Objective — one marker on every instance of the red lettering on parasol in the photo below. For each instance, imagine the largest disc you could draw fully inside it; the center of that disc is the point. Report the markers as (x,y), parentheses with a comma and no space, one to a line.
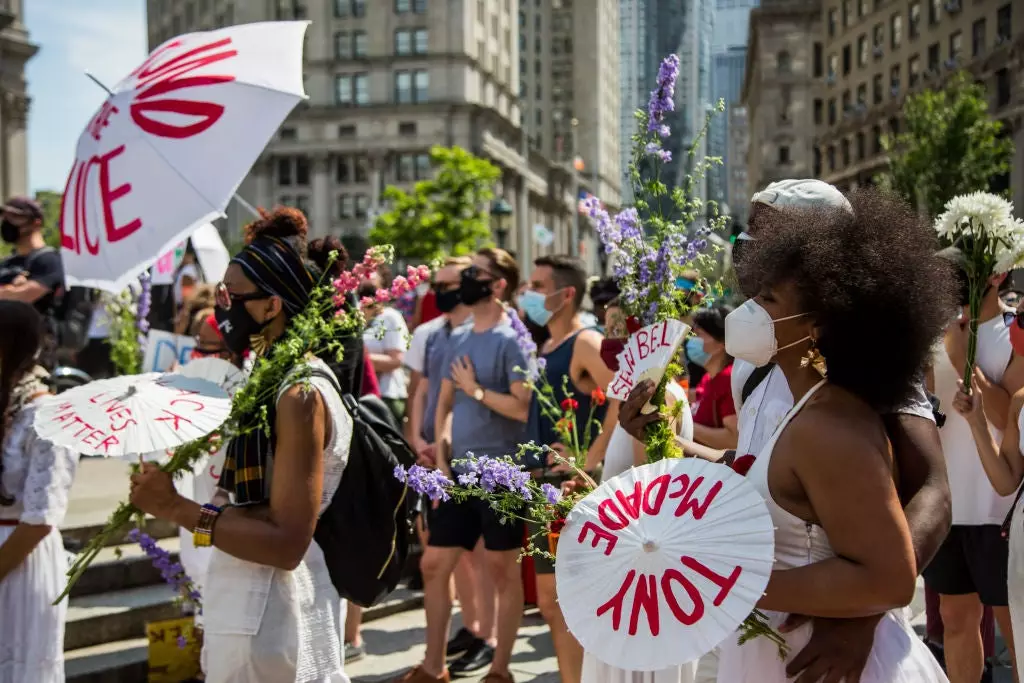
(689,501)
(163,73)
(174,418)
(76,202)
(87,433)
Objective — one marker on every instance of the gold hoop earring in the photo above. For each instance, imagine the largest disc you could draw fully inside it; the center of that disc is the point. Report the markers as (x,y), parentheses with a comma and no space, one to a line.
(814,359)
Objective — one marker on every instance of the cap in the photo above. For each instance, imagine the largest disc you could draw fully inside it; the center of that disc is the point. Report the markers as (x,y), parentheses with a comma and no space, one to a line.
(23,206)
(802,194)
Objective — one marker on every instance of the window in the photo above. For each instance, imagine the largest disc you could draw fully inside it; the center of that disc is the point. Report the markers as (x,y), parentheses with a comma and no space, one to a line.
(362,168)
(847,60)
(863,9)
(831,158)
(405,167)
(876,140)
(878,37)
(1002,87)
(894,126)
(362,205)
(862,94)
(407,128)
(847,12)
(978,37)
(403,42)
(819,111)
(421,85)
(914,71)
(286,200)
(346,206)
(877,89)
(832,111)
(346,131)
(1004,23)
(832,19)
(342,45)
(359,44)
(289,134)
(933,57)
(844,148)
(402,6)
(896,30)
(784,62)
(343,170)
(956,45)
(915,20)
(419,6)
(894,80)
(284,171)
(861,150)
(819,59)
(847,102)
(833,66)
(817,162)
(358,8)
(302,204)
(783,155)
(302,170)
(862,51)
(403,87)
(343,90)
(422,166)
(934,11)
(419,41)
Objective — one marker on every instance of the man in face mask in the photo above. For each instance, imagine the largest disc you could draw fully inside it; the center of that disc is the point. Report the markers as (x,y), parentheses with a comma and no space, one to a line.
(762,397)
(34,274)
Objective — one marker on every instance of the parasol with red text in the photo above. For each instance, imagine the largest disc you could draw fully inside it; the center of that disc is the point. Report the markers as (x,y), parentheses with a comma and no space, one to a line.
(133,414)
(658,566)
(169,147)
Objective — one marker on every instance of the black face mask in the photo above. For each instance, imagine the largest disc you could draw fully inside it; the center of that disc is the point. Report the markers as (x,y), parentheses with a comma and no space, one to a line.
(447,301)
(473,291)
(9,232)
(236,326)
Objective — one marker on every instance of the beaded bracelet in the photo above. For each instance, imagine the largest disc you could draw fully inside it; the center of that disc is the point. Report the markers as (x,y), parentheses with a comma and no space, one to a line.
(202,533)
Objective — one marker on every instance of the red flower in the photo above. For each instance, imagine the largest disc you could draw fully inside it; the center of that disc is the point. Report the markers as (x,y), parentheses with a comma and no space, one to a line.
(563,426)
(610,350)
(598,397)
(742,464)
(556,525)
(570,404)
(633,324)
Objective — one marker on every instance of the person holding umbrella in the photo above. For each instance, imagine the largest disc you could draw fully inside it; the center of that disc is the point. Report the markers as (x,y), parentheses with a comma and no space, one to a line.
(270,610)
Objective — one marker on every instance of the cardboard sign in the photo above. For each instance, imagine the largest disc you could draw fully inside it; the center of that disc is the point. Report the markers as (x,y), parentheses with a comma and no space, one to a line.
(168,661)
(164,350)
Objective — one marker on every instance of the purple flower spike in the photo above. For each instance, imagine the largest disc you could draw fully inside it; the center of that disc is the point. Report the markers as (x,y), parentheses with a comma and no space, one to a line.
(552,494)
(662,97)
(430,483)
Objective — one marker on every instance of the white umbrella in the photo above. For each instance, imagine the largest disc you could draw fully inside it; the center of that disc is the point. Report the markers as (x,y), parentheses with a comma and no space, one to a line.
(170,146)
(216,370)
(659,565)
(133,414)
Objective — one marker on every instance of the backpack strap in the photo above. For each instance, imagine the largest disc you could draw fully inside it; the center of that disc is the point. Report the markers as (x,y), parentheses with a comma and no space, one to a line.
(324,374)
(756,377)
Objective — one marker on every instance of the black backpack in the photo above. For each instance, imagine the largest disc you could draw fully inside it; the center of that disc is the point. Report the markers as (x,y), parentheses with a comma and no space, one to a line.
(755,378)
(364,532)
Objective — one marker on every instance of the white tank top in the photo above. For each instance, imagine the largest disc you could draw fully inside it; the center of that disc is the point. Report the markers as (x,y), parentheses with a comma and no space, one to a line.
(975,502)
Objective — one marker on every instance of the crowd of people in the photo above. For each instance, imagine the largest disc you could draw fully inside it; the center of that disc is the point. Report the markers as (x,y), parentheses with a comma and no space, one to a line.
(825,385)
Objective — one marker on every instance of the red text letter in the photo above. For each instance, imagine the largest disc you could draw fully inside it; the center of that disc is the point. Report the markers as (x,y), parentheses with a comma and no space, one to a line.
(599,534)
(689,500)
(109,196)
(724,583)
(688,619)
(615,604)
(645,598)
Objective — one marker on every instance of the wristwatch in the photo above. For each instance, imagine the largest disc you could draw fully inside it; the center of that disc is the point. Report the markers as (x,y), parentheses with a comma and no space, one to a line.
(478,394)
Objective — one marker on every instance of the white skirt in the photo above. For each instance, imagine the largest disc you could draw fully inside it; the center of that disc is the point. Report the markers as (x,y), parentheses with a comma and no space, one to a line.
(1015,582)
(31,628)
(898,655)
(596,671)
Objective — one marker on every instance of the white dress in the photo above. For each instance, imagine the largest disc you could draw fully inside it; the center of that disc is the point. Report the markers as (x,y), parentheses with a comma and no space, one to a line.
(1016,562)
(38,475)
(898,655)
(619,458)
(267,625)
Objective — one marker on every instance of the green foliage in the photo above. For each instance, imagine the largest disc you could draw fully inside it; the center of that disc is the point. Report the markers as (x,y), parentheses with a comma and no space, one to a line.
(51,203)
(446,215)
(949,146)
(125,349)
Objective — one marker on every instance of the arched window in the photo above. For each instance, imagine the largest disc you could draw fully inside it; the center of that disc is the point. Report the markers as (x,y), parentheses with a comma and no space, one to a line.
(784,62)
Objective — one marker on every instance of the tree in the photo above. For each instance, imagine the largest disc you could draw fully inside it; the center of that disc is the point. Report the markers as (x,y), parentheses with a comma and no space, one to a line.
(446,215)
(949,146)
(51,203)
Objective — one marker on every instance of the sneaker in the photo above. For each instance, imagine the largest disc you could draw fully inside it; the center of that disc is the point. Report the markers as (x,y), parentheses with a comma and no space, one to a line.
(462,641)
(353,653)
(477,658)
(418,675)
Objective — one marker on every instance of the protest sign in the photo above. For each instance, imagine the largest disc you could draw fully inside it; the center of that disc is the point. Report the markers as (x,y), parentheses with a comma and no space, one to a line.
(165,350)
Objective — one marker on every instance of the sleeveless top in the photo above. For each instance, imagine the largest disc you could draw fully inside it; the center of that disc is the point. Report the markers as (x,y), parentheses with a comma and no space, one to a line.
(539,428)
(975,502)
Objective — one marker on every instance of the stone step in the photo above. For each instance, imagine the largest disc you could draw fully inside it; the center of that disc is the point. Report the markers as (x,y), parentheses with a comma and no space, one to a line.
(124,660)
(77,537)
(117,615)
(132,569)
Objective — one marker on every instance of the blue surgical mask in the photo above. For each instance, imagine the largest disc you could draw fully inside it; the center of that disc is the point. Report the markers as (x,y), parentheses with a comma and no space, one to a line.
(532,304)
(695,351)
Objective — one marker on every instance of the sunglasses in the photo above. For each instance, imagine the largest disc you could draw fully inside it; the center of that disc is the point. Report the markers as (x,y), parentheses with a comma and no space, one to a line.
(225,299)
(475,272)
(1010,316)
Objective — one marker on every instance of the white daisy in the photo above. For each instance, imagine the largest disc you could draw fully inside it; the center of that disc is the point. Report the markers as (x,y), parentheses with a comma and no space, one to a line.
(975,214)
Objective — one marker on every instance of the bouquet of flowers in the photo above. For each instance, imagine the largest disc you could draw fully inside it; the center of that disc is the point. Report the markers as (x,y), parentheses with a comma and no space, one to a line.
(129,325)
(318,330)
(991,241)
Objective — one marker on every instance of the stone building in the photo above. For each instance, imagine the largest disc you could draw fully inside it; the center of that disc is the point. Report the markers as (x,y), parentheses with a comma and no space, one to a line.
(386,81)
(15,51)
(777,90)
(872,54)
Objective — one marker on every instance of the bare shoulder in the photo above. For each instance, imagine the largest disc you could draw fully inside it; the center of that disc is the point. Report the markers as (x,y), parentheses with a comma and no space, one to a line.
(835,429)
(589,338)
(299,402)
(1016,403)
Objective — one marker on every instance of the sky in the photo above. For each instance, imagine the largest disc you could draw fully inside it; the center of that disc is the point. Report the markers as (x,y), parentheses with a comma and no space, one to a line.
(107,38)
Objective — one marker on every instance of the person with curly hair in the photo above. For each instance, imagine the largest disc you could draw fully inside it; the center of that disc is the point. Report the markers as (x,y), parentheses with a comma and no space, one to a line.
(270,610)
(827,279)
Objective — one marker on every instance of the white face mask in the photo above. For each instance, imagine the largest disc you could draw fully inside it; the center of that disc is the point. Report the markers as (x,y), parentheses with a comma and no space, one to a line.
(750,334)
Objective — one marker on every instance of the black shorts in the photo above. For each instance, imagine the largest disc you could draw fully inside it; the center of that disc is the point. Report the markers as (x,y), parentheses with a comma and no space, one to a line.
(972,559)
(460,525)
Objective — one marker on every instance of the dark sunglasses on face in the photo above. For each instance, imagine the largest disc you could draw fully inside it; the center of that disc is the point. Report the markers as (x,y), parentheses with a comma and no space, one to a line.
(1010,316)
(475,272)
(224,298)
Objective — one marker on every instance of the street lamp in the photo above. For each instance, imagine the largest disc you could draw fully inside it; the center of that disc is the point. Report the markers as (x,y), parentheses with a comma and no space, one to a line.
(500,212)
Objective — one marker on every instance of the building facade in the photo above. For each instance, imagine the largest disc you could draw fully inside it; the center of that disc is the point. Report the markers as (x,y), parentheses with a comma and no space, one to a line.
(15,51)
(736,164)
(634,80)
(872,54)
(386,81)
(778,88)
